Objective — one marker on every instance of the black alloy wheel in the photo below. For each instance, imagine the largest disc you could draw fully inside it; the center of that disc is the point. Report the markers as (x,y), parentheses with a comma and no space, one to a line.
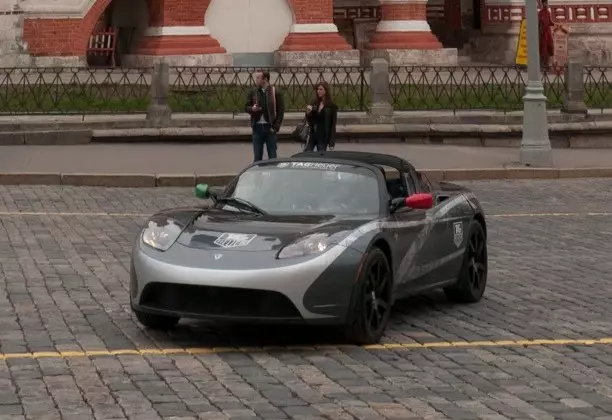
(377,305)
(477,257)
(371,306)
(472,280)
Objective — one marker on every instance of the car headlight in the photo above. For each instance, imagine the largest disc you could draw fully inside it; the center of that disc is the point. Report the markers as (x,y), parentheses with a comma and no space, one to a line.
(161,233)
(311,244)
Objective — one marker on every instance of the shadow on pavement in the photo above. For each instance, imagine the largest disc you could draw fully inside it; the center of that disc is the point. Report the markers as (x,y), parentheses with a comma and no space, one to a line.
(195,333)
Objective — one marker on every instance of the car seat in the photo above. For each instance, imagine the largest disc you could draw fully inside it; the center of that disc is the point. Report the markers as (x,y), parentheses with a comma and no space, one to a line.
(396,188)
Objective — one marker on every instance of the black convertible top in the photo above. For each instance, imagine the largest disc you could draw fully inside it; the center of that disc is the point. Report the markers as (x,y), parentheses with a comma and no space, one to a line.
(365,157)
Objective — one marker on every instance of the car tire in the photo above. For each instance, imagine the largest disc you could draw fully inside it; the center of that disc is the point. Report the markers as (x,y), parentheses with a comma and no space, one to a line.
(361,327)
(472,279)
(156,322)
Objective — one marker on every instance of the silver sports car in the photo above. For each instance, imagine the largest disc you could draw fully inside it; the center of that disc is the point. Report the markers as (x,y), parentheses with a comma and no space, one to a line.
(331,238)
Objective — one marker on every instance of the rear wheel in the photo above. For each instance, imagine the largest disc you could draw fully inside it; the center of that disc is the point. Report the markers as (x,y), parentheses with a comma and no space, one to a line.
(371,301)
(472,279)
(156,322)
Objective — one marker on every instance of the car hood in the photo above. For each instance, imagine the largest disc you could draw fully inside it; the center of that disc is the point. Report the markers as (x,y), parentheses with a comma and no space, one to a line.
(217,229)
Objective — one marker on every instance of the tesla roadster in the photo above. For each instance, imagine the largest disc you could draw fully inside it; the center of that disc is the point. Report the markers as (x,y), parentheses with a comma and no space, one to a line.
(326,238)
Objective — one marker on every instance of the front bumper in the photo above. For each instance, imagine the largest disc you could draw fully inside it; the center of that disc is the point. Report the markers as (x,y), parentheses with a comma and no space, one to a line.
(311,290)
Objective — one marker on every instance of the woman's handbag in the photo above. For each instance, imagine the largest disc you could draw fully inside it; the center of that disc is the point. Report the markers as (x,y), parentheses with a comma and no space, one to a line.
(301,132)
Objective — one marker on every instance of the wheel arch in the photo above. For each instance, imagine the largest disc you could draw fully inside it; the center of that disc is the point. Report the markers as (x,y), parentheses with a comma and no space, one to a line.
(479,217)
(383,245)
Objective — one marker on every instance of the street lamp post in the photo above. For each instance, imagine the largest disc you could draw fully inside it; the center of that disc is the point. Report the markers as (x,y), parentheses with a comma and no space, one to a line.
(535,145)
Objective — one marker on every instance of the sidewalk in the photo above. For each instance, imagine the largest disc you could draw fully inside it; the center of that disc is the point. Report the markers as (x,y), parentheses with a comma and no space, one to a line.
(228,158)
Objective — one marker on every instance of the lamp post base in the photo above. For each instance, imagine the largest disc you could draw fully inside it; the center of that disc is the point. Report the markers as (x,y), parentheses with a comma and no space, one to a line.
(535,145)
(536,157)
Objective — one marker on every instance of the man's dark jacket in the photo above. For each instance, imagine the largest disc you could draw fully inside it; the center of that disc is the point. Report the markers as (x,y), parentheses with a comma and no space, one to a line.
(267,107)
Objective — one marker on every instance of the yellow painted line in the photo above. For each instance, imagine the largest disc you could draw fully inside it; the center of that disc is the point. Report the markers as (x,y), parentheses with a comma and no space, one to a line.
(577,214)
(93,214)
(255,349)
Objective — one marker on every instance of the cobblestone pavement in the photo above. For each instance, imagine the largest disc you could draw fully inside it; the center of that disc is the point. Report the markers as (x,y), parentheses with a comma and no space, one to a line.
(64,282)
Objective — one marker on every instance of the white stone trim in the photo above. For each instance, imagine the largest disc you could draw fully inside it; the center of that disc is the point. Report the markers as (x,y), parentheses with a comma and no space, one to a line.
(176,30)
(403,26)
(317,28)
(53,10)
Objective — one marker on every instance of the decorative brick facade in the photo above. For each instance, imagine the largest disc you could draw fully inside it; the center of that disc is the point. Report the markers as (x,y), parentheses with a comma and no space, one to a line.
(589,24)
(561,13)
(61,37)
(177,30)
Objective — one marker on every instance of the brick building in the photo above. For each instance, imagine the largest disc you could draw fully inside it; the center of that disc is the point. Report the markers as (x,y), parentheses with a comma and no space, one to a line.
(289,32)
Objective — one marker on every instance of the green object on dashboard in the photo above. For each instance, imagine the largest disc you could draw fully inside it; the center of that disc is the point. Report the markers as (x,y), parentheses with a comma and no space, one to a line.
(202,191)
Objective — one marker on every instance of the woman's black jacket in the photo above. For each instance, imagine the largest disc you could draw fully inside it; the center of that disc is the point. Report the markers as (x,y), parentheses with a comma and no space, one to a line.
(323,123)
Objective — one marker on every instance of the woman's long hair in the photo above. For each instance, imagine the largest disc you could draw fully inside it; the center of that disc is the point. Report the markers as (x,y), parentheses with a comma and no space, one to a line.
(327,99)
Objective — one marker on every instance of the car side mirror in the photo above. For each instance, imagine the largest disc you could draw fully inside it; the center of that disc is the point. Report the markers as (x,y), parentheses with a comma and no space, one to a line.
(419,201)
(204,191)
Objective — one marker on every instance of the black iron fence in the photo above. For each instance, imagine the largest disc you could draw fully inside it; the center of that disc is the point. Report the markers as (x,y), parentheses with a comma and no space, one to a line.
(208,89)
(462,88)
(224,89)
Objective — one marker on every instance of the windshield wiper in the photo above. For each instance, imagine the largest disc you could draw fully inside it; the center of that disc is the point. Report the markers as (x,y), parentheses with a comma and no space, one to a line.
(240,203)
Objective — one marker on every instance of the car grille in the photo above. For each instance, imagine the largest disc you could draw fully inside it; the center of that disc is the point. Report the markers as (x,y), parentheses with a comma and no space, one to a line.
(218,301)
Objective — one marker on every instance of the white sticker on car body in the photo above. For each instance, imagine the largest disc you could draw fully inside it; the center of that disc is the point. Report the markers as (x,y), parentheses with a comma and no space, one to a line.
(234,240)
(458,233)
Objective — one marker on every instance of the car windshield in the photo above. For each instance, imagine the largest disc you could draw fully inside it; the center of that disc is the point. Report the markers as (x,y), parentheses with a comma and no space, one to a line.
(308,188)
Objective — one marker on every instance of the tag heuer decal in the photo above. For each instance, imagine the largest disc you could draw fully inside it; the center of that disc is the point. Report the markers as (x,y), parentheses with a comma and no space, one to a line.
(234,240)
(458,233)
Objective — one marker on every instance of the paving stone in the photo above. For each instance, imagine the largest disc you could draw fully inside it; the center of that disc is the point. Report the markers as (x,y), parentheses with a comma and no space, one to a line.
(65,280)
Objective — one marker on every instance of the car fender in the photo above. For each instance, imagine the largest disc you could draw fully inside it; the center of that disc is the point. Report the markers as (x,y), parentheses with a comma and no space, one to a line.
(477,210)
(365,243)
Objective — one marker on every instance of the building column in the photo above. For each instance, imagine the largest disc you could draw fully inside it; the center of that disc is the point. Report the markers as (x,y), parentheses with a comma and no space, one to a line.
(314,39)
(177,33)
(404,37)
(403,26)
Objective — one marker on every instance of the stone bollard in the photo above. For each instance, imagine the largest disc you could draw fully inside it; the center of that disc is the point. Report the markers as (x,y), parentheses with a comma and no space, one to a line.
(573,101)
(380,90)
(159,113)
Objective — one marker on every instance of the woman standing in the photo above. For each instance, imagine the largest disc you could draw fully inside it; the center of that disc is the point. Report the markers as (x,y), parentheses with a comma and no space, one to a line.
(322,116)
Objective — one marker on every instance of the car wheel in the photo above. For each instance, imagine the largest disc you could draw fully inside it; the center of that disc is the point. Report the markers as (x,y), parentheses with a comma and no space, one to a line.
(472,279)
(156,322)
(371,301)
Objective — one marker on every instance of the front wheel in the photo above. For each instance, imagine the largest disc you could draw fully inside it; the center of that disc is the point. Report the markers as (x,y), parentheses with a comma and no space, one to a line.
(472,279)
(156,322)
(371,301)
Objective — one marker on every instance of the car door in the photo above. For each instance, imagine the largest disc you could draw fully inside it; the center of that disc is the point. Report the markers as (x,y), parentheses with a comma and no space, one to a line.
(441,252)
(406,232)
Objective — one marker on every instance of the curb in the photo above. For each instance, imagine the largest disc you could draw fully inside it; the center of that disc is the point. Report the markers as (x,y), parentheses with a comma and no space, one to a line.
(190,180)
(583,135)
(568,134)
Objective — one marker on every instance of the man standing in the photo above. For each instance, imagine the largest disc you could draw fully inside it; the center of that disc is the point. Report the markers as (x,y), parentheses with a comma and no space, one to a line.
(265,105)
(545,23)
